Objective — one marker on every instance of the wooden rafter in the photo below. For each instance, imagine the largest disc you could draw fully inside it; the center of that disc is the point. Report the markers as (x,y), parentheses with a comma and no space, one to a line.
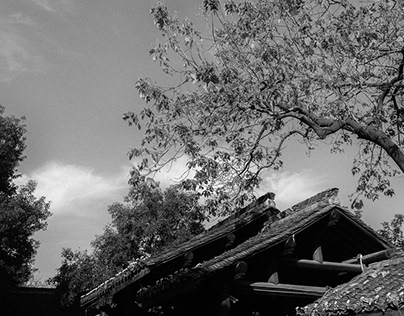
(373,257)
(325,265)
(279,289)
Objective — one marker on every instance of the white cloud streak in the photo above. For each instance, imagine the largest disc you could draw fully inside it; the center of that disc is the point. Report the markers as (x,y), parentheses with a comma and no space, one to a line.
(23,43)
(53,6)
(44,4)
(16,52)
(19,18)
(291,188)
(174,172)
(75,189)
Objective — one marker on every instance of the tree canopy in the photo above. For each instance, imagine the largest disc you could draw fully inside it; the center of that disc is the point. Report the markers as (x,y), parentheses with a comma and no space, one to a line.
(149,220)
(12,145)
(21,213)
(265,72)
(393,232)
(79,272)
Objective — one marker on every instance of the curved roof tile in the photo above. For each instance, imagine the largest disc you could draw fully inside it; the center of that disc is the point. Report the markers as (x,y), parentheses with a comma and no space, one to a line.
(379,288)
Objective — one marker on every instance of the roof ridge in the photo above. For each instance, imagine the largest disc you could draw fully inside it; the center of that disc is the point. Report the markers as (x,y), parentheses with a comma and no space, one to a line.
(326,197)
(268,198)
(264,238)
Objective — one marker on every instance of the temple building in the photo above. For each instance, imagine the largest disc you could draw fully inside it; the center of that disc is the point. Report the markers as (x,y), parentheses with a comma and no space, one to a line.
(259,261)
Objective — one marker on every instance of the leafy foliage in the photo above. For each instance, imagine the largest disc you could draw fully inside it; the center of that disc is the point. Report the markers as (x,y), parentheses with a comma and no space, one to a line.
(393,232)
(12,145)
(78,273)
(149,220)
(21,213)
(269,71)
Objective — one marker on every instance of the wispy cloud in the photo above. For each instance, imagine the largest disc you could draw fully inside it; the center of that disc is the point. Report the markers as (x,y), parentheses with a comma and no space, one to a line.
(16,57)
(18,18)
(54,6)
(174,172)
(291,188)
(74,189)
(16,52)
(44,4)
(27,44)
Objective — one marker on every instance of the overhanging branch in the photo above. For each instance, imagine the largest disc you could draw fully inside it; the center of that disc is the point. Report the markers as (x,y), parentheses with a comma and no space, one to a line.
(321,126)
(326,126)
(279,148)
(392,82)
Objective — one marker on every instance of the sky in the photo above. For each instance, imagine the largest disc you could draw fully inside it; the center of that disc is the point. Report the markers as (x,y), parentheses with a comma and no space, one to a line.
(69,67)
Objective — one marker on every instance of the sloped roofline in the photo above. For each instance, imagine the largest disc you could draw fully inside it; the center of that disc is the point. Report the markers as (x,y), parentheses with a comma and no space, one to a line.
(141,267)
(299,217)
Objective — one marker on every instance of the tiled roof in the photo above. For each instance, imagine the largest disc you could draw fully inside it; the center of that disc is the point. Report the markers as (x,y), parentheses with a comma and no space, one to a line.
(137,269)
(379,288)
(296,219)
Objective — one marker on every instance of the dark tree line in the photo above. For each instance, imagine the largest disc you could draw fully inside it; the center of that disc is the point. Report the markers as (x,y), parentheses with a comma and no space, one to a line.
(21,213)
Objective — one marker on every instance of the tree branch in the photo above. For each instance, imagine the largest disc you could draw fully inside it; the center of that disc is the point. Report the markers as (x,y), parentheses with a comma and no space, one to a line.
(324,127)
(279,148)
(257,141)
(389,85)
(321,126)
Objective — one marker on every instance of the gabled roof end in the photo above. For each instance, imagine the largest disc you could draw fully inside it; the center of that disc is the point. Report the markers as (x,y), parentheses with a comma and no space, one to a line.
(325,198)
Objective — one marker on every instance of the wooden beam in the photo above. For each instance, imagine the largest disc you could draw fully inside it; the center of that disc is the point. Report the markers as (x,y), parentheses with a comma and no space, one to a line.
(107,310)
(373,257)
(101,297)
(291,290)
(167,295)
(325,265)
